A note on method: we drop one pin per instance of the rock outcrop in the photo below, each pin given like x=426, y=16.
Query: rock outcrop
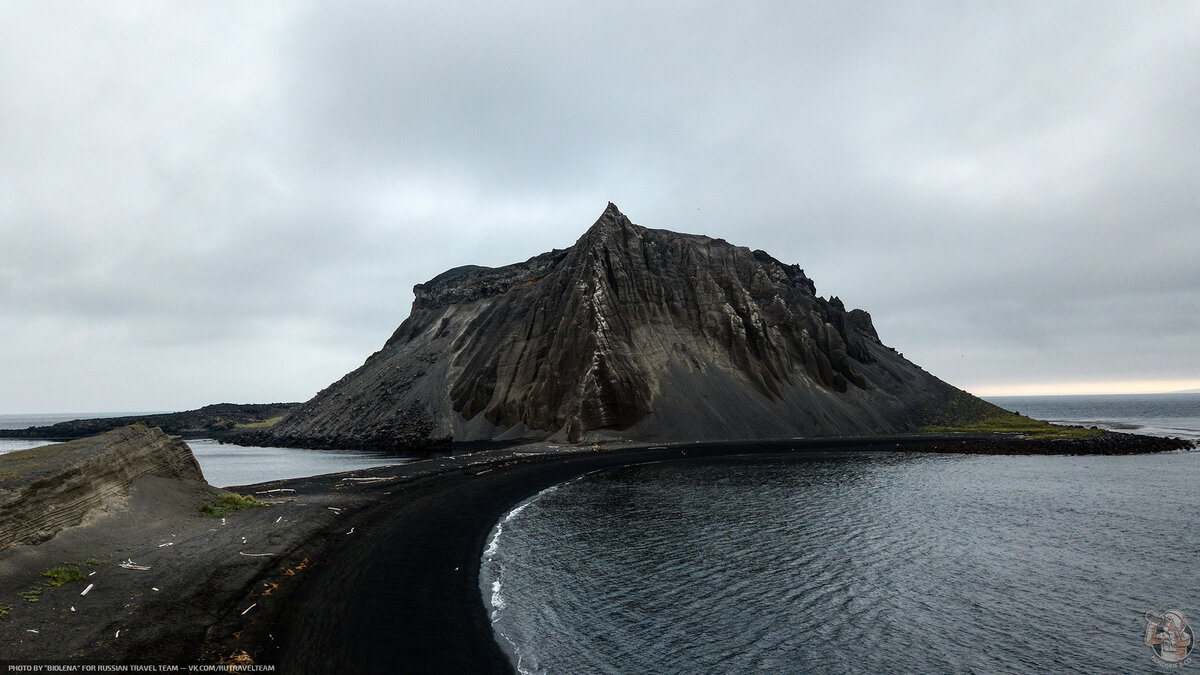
x=46, y=489
x=632, y=333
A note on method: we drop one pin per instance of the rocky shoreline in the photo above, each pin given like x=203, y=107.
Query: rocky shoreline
x=1106, y=443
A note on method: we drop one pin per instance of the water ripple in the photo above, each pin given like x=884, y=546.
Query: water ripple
x=849, y=564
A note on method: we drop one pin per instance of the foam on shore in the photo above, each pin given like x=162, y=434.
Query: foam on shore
x=492, y=568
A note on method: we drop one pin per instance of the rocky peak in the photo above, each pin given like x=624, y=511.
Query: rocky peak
x=623, y=330
x=612, y=218
x=611, y=229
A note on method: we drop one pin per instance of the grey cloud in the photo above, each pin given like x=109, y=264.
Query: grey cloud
x=242, y=196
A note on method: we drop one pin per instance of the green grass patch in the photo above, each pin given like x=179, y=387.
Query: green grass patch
x=61, y=575
x=5, y=610
x=226, y=503
x=93, y=561
x=32, y=595
x=1014, y=423
x=269, y=422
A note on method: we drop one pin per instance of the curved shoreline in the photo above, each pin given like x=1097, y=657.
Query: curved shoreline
x=404, y=594
x=372, y=570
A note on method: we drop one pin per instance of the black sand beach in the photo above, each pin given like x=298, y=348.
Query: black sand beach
x=369, y=571
x=403, y=594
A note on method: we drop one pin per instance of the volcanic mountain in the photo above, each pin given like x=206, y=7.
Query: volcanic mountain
x=632, y=333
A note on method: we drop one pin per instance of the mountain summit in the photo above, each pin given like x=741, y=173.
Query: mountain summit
x=632, y=333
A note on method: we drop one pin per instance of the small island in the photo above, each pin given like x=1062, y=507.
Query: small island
x=211, y=421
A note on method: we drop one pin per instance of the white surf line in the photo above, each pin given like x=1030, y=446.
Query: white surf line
x=255, y=555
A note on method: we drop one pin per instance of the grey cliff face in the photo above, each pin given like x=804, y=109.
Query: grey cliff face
x=631, y=333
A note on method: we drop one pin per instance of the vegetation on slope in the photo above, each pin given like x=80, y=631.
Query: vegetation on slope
x=261, y=425
x=61, y=575
x=968, y=414
x=225, y=503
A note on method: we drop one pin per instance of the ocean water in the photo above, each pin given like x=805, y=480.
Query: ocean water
x=46, y=419
x=857, y=563
x=226, y=465
x=1153, y=414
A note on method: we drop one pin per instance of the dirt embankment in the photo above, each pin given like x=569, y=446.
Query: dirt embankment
x=45, y=489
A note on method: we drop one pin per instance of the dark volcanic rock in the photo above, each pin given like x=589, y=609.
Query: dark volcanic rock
x=45, y=489
x=631, y=333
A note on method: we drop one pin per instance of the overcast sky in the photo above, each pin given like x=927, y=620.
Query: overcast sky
x=205, y=202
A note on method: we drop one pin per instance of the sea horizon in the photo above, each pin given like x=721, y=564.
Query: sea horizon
x=997, y=399
x=1026, y=404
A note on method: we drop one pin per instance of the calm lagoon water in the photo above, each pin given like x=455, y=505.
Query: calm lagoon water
x=855, y=563
x=236, y=465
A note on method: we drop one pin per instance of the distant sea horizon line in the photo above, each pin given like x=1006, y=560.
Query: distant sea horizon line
x=1184, y=392
x=98, y=415
x=1087, y=389
x=1014, y=392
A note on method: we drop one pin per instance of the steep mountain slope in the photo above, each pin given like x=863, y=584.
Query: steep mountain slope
x=631, y=333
